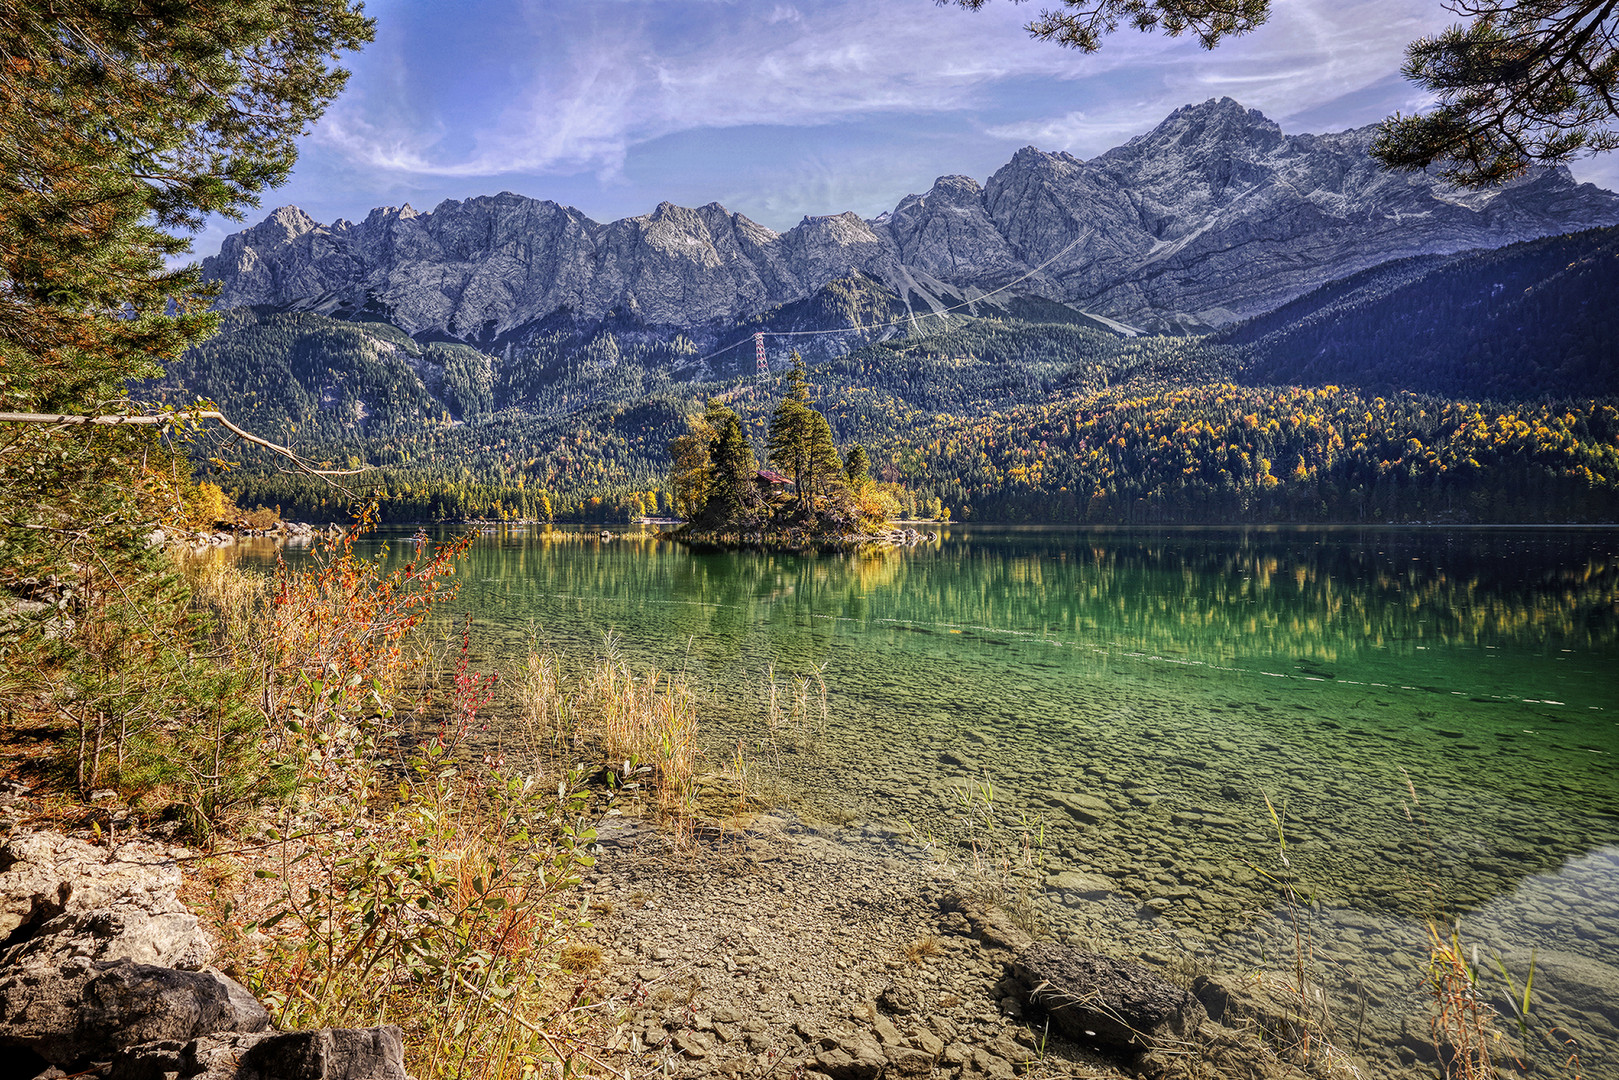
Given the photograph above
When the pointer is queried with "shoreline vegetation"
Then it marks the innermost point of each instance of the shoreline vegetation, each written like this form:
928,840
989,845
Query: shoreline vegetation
356,863
360,861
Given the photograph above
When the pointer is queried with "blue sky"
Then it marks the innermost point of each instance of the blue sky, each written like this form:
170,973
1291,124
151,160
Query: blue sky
781,109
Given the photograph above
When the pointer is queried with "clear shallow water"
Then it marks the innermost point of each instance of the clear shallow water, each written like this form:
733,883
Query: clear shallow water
1141,694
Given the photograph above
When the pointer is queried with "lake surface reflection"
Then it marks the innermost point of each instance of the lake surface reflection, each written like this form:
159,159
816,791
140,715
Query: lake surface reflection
1432,713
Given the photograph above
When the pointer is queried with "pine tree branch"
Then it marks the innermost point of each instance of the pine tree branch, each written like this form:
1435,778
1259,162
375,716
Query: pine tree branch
118,419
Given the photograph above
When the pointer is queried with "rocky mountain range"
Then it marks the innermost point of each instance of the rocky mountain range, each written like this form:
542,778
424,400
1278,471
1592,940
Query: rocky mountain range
1213,216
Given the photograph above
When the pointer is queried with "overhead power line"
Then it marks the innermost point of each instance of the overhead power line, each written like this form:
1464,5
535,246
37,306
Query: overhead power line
910,317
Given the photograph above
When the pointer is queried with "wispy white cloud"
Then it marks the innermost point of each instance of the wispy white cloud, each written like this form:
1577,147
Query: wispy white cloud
598,90
780,108
1310,54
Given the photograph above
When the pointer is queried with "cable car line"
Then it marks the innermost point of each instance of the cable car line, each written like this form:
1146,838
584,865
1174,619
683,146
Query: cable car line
910,316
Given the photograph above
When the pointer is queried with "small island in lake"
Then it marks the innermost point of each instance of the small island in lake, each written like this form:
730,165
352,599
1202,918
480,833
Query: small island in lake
819,498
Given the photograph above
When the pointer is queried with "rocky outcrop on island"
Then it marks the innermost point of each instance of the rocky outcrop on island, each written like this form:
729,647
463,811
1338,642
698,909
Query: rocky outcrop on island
1215,214
104,972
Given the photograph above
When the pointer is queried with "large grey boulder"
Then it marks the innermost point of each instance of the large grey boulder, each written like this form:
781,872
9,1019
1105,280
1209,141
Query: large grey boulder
87,1010
96,953
1103,1001
321,1054
327,1054
124,931
62,898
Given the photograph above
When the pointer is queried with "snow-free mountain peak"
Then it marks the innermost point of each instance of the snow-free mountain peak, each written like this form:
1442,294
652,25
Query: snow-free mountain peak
1216,213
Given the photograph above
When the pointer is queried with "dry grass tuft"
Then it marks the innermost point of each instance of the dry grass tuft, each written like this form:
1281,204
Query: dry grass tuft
922,948
1461,1023
644,726
580,957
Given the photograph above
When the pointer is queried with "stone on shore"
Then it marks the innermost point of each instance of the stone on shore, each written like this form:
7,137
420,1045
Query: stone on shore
62,898
89,1010
1102,1001
99,966
320,1054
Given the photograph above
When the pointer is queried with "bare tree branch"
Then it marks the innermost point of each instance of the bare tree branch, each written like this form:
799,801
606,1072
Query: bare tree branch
119,419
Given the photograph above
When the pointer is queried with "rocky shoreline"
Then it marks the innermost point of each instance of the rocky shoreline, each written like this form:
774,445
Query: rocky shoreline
770,948
799,542
780,949
285,532
104,972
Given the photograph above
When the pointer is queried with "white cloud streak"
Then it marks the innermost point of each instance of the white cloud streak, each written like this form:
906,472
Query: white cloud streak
1310,54
606,77
610,87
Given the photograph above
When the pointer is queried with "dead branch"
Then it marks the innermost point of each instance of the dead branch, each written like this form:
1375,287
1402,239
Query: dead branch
115,420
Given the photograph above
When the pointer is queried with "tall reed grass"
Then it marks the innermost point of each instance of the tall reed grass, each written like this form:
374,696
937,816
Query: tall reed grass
643,725
405,882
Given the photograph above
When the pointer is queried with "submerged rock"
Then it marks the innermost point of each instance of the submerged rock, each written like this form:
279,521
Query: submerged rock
1085,808
1276,1012
1099,1000
1089,886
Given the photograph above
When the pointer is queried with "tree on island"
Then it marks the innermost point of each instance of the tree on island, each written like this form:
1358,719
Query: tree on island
1521,83
801,445
719,488
734,501
690,461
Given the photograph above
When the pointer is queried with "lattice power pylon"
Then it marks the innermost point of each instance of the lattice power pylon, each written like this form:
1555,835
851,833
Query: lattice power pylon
759,355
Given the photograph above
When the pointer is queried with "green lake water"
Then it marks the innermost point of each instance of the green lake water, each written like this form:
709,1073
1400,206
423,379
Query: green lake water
1432,714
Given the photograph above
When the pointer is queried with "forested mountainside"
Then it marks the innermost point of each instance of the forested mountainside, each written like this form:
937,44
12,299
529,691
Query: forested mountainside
1032,412
1533,319
1212,216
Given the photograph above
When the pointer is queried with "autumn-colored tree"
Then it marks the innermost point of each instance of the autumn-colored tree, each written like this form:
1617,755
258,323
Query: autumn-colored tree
689,453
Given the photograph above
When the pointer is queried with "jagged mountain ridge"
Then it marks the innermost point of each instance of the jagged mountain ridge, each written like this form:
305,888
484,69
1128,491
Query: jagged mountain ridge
1214,215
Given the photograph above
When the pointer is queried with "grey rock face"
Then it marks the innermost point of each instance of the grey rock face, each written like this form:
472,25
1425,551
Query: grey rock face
1102,1001
1213,215
91,1010
81,981
321,1054
949,233
62,898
